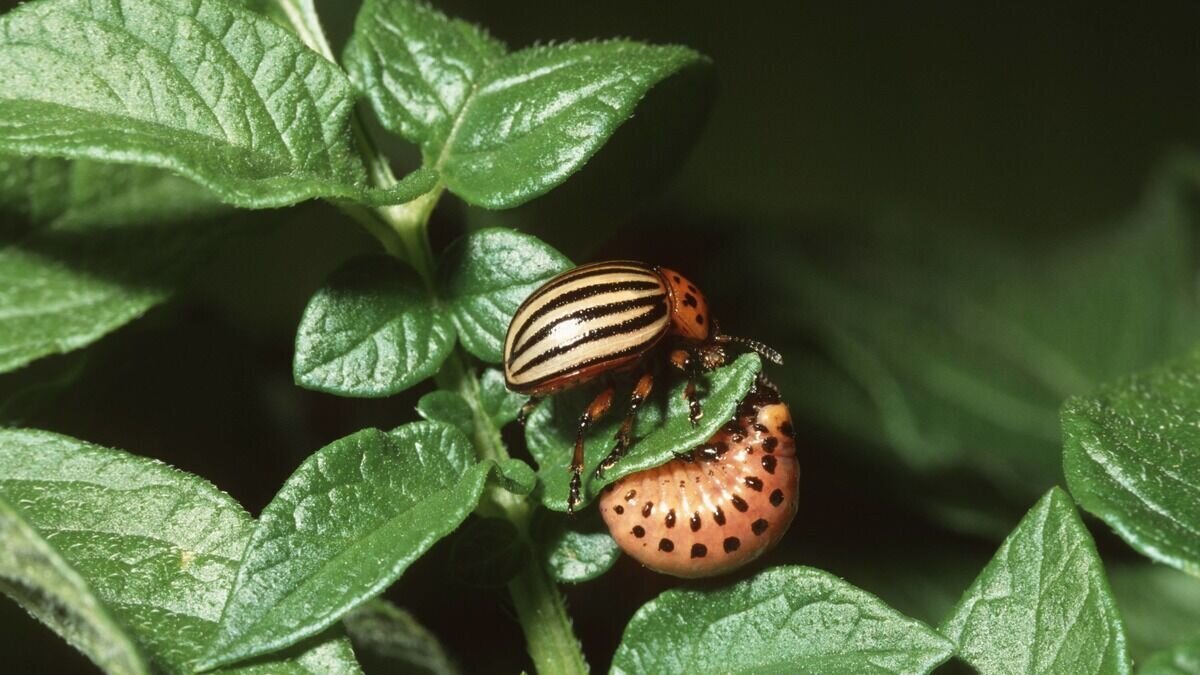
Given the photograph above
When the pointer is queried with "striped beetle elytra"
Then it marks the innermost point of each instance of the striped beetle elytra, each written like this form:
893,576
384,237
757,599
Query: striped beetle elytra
605,318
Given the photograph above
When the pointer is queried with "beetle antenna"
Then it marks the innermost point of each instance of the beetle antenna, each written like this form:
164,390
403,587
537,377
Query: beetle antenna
755,346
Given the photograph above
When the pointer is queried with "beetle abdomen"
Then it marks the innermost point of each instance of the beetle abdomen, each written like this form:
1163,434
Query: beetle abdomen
588,319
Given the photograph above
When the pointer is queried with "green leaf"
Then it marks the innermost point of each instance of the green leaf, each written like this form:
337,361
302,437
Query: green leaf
1132,457
1160,606
951,351
500,129
662,429
390,640
575,549
34,574
372,330
499,402
206,89
447,407
1043,604
1180,660
345,526
485,276
786,619
157,547
515,476
111,243
488,553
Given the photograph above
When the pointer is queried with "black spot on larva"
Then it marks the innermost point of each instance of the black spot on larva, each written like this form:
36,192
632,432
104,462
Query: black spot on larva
722,448
609,487
761,428
768,462
683,483
754,483
666,545
787,430
699,550
619,509
700,319
670,520
689,300
732,544
737,438
771,443
677,279
692,288
638,531
647,509
630,495
719,516
759,526
739,503
776,497
696,522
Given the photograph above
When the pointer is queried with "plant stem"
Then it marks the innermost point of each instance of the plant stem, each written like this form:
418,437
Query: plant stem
403,232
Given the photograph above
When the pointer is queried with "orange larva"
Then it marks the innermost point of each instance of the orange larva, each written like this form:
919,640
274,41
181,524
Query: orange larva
726,503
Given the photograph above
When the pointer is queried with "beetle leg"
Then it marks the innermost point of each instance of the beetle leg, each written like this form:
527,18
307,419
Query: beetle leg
641,391
527,409
597,409
687,362
689,393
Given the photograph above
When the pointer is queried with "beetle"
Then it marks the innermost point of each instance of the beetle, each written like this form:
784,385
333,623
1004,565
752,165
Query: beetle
605,318
718,506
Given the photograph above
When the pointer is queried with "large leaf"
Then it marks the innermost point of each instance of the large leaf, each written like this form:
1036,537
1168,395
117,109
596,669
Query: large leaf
952,350
786,619
390,640
1132,457
661,430
485,276
157,547
344,526
107,243
34,574
371,330
500,129
1043,604
207,89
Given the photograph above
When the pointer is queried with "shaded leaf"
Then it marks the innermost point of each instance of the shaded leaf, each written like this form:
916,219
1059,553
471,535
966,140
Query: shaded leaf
34,574
515,476
158,547
485,276
662,429
500,129
499,403
786,619
389,639
207,89
1181,660
106,244
371,330
342,528
447,407
1160,606
1043,604
576,549
488,553
1132,457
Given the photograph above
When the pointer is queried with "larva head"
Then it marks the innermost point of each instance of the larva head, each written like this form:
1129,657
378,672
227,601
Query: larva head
727,505
689,309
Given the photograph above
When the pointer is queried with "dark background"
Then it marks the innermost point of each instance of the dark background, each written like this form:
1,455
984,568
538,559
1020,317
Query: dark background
1016,119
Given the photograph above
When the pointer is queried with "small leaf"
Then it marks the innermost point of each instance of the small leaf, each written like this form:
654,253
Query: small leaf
1181,660
345,526
111,243
575,549
1132,457
786,619
488,553
34,574
1043,604
158,547
499,403
372,330
662,429
485,276
207,89
500,129
388,639
515,476
447,407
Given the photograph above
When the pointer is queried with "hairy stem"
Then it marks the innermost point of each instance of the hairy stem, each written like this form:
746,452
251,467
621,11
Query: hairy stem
403,232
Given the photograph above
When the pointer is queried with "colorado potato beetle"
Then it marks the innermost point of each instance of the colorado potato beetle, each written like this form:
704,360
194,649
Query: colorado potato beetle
605,318
717,507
